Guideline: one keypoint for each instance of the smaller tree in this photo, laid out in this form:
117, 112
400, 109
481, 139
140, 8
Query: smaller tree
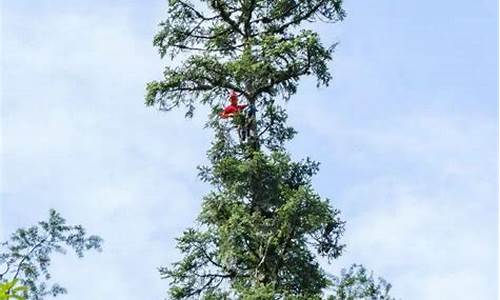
25, 258
358, 283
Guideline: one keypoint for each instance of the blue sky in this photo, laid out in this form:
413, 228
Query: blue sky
407, 136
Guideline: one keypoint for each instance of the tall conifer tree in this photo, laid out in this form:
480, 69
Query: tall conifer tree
262, 227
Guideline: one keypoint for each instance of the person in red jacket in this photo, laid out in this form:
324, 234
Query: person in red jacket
232, 111
234, 108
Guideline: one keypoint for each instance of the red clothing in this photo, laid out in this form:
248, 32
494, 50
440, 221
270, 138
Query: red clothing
231, 109
234, 108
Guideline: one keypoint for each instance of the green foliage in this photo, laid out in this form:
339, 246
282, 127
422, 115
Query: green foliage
25, 258
251, 46
358, 283
261, 229
11, 290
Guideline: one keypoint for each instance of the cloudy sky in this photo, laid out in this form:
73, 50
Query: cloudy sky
406, 134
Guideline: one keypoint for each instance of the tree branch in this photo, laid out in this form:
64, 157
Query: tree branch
196, 12
298, 19
270, 20
25, 257
219, 6
248, 18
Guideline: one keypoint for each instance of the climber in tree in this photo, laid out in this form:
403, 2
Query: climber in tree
234, 111
262, 228
234, 108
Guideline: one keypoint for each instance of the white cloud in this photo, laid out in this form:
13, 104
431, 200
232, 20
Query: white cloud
421, 204
77, 137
